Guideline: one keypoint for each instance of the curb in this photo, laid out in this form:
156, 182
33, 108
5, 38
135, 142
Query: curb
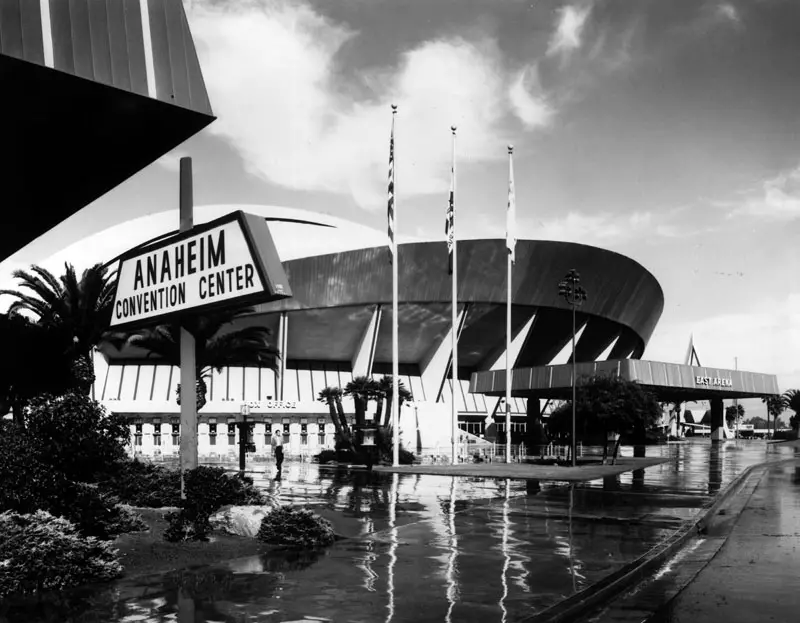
600, 592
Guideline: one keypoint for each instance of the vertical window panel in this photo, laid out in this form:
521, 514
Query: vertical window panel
161, 382
304, 384
144, 387
219, 385
113, 382
235, 380
318, 381
128, 384
251, 382
269, 388
290, 385
416, 388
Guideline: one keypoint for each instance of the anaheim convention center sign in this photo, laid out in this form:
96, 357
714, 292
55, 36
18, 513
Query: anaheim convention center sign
229, 262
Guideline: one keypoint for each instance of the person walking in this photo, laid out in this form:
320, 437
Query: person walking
277, 449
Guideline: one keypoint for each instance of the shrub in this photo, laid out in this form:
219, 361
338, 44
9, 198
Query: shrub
30, 485
144, 484
40, 552
75, 435
384, 440
187, 525
326, 456
295, 529
207, 489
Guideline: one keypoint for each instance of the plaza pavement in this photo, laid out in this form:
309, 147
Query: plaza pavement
528, 471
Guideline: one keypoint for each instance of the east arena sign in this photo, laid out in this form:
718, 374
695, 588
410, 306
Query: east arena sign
229, 262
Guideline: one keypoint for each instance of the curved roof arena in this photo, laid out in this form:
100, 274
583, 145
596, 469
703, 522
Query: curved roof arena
336, 295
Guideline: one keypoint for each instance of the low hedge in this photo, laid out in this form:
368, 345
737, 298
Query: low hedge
41, 552
295, 529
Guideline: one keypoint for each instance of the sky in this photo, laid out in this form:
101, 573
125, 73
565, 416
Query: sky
665, 131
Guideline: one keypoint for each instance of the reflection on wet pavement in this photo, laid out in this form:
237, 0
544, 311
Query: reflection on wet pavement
431, 548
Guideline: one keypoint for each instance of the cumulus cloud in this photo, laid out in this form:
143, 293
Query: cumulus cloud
569, 30
281, 101
778, 199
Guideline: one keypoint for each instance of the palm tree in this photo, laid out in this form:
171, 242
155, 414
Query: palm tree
791, 400
35, 364
214, 349
775, 406
384, 392
78, 309
332, 396
362, 389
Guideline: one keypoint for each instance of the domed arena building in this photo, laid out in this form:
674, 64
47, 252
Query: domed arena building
337, 326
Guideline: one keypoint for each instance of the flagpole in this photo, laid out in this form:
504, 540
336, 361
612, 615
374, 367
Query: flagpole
395, 323
509, 226
456, 388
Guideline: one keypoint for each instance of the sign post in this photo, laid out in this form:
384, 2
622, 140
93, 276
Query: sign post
228, 263
243, 437
188, 448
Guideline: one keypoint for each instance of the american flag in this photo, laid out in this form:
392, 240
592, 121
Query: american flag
390, 208
450, 221
511, 212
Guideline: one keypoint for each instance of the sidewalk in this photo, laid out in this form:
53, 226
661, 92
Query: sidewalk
755, 576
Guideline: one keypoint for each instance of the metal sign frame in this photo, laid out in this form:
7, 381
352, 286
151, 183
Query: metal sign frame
267, 263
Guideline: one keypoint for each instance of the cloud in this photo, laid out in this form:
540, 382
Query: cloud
533, 110
299, 121
567, 36
764, 336
726, 11
171, 161
778, 199
604, 228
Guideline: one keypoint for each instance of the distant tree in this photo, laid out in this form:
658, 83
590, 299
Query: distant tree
734, 413
608, 404
775, 406
757, 422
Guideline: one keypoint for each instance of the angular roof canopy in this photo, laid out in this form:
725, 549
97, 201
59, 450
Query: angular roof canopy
670, 381
93, 91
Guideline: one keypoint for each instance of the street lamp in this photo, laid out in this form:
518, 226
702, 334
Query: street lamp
570, 288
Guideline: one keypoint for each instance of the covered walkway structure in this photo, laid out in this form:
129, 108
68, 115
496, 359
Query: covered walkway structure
671, 382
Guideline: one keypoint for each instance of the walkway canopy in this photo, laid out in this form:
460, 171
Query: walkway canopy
671, 382
92, 92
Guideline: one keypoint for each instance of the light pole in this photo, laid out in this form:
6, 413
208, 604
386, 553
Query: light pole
570, 288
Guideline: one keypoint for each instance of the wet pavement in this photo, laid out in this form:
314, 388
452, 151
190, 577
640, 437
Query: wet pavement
432, 548
755, 576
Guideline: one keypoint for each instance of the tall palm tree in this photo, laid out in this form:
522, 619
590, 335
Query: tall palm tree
79, 309
214, 348
332, 396
775, 406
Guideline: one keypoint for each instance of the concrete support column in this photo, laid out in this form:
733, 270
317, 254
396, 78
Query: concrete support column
283, 348
717, 420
